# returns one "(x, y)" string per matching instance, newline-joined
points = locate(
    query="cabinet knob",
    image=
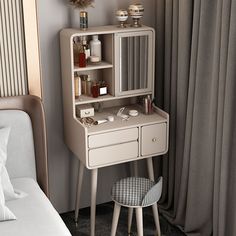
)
(154, 139)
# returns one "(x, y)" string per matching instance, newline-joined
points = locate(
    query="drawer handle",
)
(154, 140)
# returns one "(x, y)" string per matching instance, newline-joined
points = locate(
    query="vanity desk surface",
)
(124, 140)
(119, 123)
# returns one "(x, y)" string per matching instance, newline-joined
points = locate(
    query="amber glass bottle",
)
(95, 89)
(82, 57)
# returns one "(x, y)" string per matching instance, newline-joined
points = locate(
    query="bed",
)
(28, 170)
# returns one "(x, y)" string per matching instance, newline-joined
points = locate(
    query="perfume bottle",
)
(82, 55)
(96, 47)
(83, 20)
(82, 58)
(148, 105)
(88, 86)
(86, 47)
(76, 50)
(83, 84)
(95, 89)
(77, 86)
(103, 88)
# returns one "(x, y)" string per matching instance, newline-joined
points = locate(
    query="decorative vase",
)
(83, 20)
(136, 12)
(122, 16)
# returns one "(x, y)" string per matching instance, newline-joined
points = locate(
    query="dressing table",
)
(127, 67)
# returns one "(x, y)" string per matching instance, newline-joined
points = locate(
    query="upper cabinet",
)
(126, 66)
(120, 123)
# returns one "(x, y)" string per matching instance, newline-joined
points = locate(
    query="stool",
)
(135, 193)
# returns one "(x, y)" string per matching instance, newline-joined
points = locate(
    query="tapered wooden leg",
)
(78, 192)
(130, 217)
(134, 168)
(135, 165)
(154, 207)
(115, 219)
(94, 177)
(139, 220)
(150, 168)
(156, 219)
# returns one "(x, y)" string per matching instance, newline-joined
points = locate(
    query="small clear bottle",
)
(88, 86)
(86, 47)
(77, 86)
(96, 47)
(84, 84)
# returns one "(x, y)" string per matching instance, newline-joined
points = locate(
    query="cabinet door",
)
(134, 62)
(153, 139)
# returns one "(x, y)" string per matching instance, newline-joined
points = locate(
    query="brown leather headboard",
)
(32, 105)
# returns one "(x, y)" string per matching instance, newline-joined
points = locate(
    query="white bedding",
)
(35, 214)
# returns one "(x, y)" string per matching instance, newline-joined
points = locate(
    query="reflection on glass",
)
(134, 63)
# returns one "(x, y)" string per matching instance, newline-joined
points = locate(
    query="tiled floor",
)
(104, 219)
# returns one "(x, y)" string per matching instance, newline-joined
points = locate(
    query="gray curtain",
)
(196, 84)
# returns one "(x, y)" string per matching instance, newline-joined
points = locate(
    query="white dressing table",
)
(119, 141)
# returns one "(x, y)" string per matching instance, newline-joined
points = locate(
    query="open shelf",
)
(83, 99)
(101, 65)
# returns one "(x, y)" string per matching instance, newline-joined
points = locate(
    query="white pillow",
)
(5, 213)
(7, 187)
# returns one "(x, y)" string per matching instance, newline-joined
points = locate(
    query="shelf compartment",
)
(101, 65)
(87, 99)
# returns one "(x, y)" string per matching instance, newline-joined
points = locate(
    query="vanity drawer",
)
(111, 138)
(153, 139)
(113, 154)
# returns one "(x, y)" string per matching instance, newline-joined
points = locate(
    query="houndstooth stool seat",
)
(135, 192)
(131, 191)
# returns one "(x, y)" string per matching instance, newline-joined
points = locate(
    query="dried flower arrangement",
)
(81, 4)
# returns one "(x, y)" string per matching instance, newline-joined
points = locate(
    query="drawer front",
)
(113, 154)
(153, 139)
(111, 138)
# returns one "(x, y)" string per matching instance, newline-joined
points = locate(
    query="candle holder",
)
(122, 16)
(136, 12)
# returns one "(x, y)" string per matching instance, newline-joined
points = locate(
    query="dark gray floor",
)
(104, 218)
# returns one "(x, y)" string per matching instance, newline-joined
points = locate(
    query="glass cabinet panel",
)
(134, 64)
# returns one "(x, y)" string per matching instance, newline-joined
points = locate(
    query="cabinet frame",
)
(151, 59)
(76, 133)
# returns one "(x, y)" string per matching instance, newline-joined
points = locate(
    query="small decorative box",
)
(84, 111)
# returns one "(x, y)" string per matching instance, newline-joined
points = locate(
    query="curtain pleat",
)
(196, 74)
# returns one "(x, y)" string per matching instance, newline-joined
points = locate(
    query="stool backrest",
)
(154, 194)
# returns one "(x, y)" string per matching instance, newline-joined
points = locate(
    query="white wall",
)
(53, 15)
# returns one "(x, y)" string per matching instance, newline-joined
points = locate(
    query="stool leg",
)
(154, 207)
(94, 178)
(150, 168)
(115, 219)
(130, 217)
(139, 220)
(156, 219)
(79, 186)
